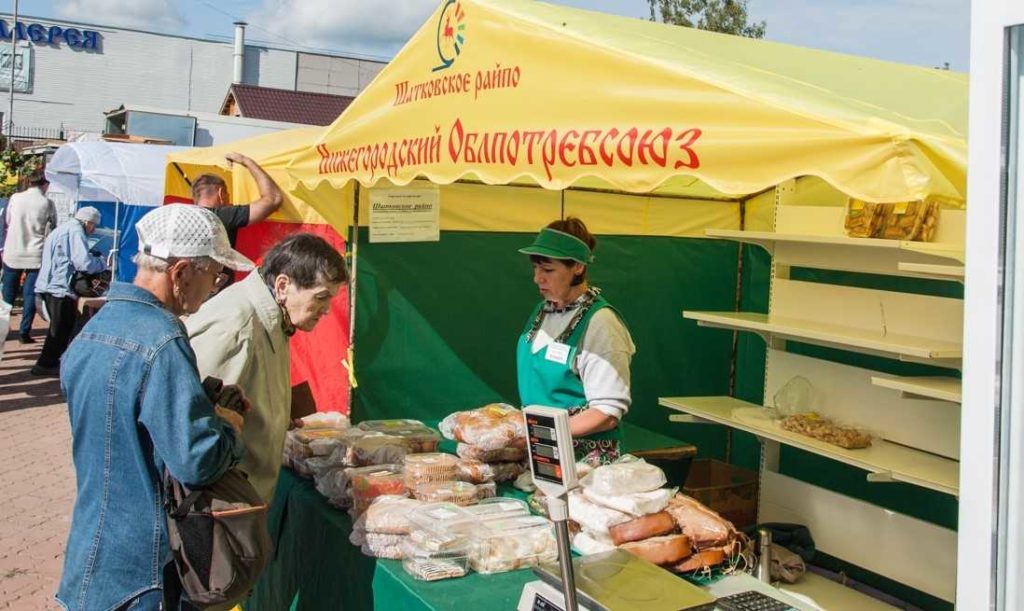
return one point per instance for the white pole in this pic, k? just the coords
(114, 254)
(13, 56)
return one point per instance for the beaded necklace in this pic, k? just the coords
(582, 306)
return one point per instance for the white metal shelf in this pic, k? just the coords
(944, 389)
(883, 460)
(768, 240)
(933, 271)
(831, 596)
(905, 347)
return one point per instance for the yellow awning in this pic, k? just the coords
(507, 91)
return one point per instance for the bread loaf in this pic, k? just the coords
(669, 549)
(644, 527)
(704, 527)
(703, 559)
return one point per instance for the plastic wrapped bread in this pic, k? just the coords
(644, 527)
(586, 543)
(626, 476)
(507, 545)
(389, 515)
(823, 429)
(668, 549)
(593, 517)
(477, 472)
(635, 504)
(429, 467)
(704, 527)
(490, 427)
(383, 546)
(459, 493)
(334, 485)
(509, 454)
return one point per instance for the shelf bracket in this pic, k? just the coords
(688, 419)
(885, 477)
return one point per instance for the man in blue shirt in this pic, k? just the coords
(137, 406)
(65, 252)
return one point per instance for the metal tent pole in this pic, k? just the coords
(353, 249)
(14, 56)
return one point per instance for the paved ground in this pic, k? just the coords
(37, 481)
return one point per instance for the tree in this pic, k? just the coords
(726, 16)
(14, 166)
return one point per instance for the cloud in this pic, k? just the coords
(131, 13)
(923, 32)
(375, 28)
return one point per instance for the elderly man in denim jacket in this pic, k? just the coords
(137, 406)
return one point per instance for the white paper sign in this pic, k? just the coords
(405, 214)
(22, 68)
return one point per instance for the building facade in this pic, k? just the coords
(68, 74)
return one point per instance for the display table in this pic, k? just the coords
(316, 567)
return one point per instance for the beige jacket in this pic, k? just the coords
(30, 218)
(237, 337)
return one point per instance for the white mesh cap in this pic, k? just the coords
(185, 230)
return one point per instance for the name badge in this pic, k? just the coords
(558, 353)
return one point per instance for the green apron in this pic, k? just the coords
(553, 383)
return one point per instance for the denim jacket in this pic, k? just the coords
(136, 405)
(66, 251)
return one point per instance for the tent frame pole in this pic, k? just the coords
(353, 288)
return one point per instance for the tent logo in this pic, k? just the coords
(451, 33)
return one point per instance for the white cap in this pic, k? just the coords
(185, 230)
(88, 214)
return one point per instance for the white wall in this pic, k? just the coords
(335, 75)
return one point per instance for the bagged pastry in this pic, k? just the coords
(509, 454)
(594, 517)
(635, 504)
(823, 429)
(476, 472)
(390, 515)
(490, 427)
(429, 467)
(625, 476)
(703, 526)
(458, 493)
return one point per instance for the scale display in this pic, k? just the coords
(544, 455)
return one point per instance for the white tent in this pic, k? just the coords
(122, 180)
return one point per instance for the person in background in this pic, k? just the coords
(575, 352)
(3, 227)
(137, 405)
(30, 217)
(210, 192)
(65, 252)
(241, 336)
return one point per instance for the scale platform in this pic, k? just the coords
(619, 581)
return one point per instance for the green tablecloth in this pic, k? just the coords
(316, 567)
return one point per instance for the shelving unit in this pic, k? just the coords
(914, 421)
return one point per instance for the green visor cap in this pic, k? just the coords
(555, 244)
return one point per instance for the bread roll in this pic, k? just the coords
(703, 559)
(670, 549)
(644, 527)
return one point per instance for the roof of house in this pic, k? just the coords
(305, 107)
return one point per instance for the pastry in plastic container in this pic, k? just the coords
(429, 467)
(368, 483)
(383, 546)
(508, 454)
(417, 437)
(459, 493)
(433, 565)
(389, 514)
(507, 545)
(486, 490)
(490, 427)
(478, 472)
(440, 526)
(498, 508)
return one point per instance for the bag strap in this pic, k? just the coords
(171, 486)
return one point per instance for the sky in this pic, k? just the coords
(923, 32)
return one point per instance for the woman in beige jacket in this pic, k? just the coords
(241, 336)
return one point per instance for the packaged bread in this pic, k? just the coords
(498, 508)
(592, 516)
(664, 550)
(458, 493)
(625, 476)
(389, 514)
(703, 526)
(433, 565)
(383, 546)
(635, 504)
(368, 483)
(486, 490)
(823, 429)
(586, 543)
(490, 427)
(333, 484)
(644, 527)
(910, 221)
(701, 560)
(477, 472)
(441, 526)
(864, 219)
(509, 454)
(414, 436)
(378, 449)
(507, 545)
(429, 467)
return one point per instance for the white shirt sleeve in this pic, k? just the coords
(602, 362)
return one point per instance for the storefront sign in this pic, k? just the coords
(22, 68)
(405, 214)
(55, 35)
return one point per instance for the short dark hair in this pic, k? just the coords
(306, 259)
(206, 183)
(575, 227)
(36, 178)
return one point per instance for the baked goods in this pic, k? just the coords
(626, 476)
(390, 514)
(477, 472)
(586, 543)
(432, 569)
(509, 454)
(823, 429)
(486, 490)
(635, 504)
(916, 220)
(459, 493)
(701, 560)
(430, 467)
(644, 527)
(368, 483)
(704, 527)
(594, 517)
(490, 427)
(334, 485)
(668, 549)
(507, 545)
(498, 509)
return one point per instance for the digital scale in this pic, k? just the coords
(612, 581)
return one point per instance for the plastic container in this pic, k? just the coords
(729, 490)
(430, 467)
(500, 508)
(459, 493)
(434, 565)
(417, 437)
(440, 526)
(369, 483)
(507, 545)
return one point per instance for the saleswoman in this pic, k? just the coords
(575, 351)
